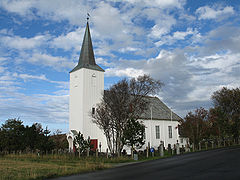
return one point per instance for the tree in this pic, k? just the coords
(59, 139)
(80, 143)
(227, 104)
(220, 126)
(123, 101)
(45, 144)
(12, 135)
(195, 126)
(133, 135)
(32, 135)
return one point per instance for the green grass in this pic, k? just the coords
(29, 166)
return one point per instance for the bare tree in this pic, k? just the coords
(123, 101)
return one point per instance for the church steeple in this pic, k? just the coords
(86, 59)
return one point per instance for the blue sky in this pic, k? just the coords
(192, 46)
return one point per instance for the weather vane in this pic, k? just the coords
(88, 16)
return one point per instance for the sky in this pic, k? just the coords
(192, 46)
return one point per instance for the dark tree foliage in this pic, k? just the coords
(226, 111)
(32, 136)
(14, 136)
(45, 144)
(133, 134)
(120, 103)
(195, 126)
(81, 144)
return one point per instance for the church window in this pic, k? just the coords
(75, 81)
(94, 80)
(93, 110)
(170, 131)
(181, 140)
(157, 132)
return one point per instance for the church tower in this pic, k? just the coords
(86, 90)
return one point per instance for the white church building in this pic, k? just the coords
(86, 89)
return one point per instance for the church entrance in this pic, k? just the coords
(94, 144)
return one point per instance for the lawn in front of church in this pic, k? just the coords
(32, 166)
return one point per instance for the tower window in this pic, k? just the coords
(94, 80)
(93, 110)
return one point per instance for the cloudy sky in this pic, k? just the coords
(192, 46)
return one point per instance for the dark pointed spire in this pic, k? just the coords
(86, 59)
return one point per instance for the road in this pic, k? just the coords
(212, 164)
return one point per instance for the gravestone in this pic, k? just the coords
(135, 156)
(177, 148)
(96, 152)
(161, 150)
(147, 151)
(107, 152)
(87, 152)
(169, 149)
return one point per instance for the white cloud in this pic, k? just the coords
(159, 3)
(207, 12)
(57, 10)
(21, 7)
(56, 62)
(2, 69)
(40, 107)
(23, 43)
(71, 40)
(26, 77)
(158, 31)
(128, 49)
(165, 3)
(163, 26)
(114, 28)
(128, 72)
(181, 35)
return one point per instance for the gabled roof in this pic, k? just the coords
(157, 110)
(86, 59)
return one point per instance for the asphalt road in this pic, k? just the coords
(212, 164)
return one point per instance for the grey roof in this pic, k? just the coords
(86, 59)
(157, 110)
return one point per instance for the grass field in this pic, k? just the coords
(29, 166)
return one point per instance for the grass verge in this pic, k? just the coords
(29, 166)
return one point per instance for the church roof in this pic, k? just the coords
(86, 59)
(157, 110)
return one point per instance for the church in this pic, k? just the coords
(86, 89)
